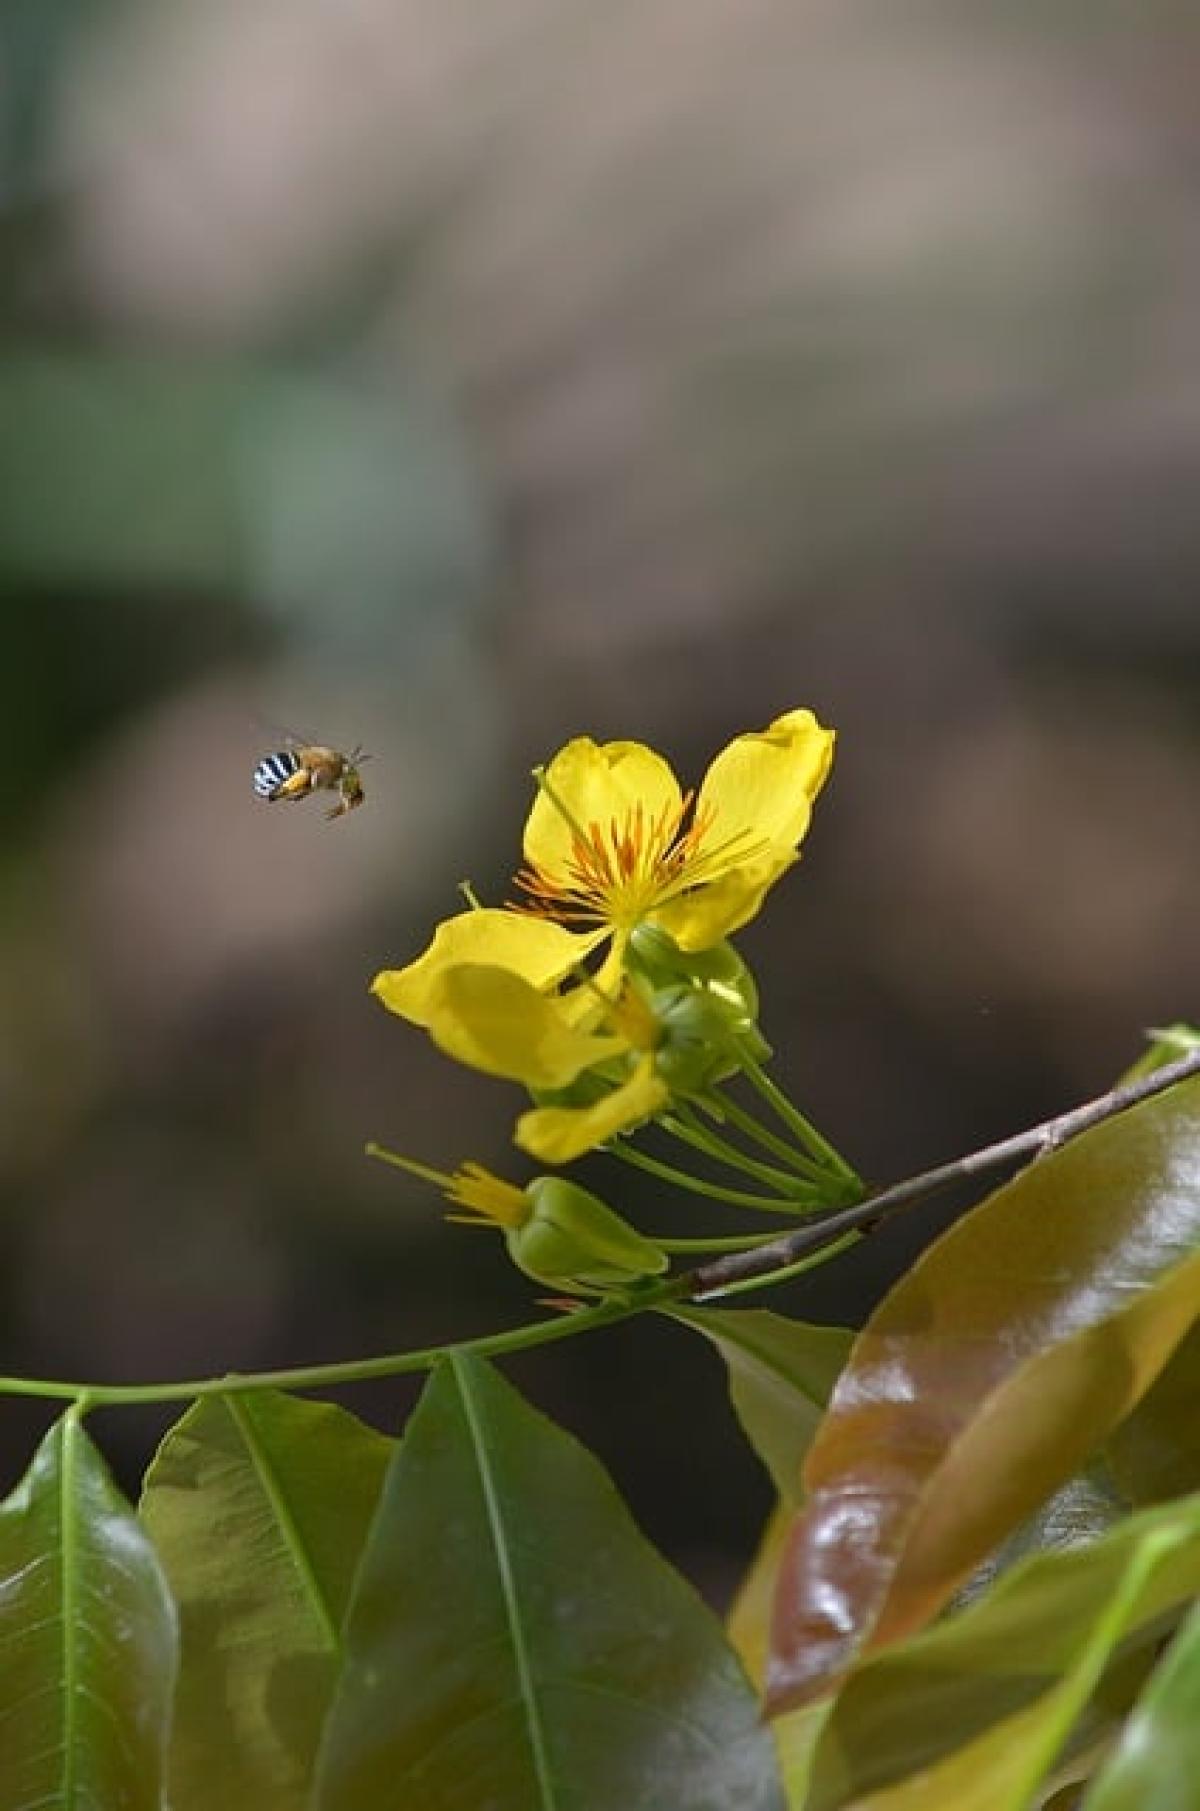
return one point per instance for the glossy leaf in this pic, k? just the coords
(795, 1733)
(1155, 1453)
(87, 1639)
(514, 1642)
(927, 1713)
(985, 1379)
(1156, 1764)
(749, 1620)
(259, 1505)
(781, 1376)
(1083, 1509)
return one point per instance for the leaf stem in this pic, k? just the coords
(715, 1191)
(355, 1370)
(810, 1261)
(721, 1106)
(777, 1258)
(741, 1242)
(683, 1126)
(791, 1116)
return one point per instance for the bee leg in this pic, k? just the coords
(294, 787)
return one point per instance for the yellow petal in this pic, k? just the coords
(702, 918)
(595, 783)
(757, 795)
(492, 1020)
(560, 1134)
(537, 949)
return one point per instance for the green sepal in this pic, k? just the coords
(572, 1237)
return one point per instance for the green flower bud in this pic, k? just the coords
(698, 1030)
(719, 970)
(723, 974)
(656, 956)
(572, 1239)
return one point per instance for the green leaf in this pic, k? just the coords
(1084, 1508)
(259, 1505)
(87, 1639)
(1156, 1764)
(971, 1715)
(1155, 1453)
(514, 1642)
(1167, 1044)
(985, 1379)
(781, 1376)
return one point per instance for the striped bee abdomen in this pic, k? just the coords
(273, 770)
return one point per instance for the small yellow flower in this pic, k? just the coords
(613, 842)
(491, 1200)
(556, 1232)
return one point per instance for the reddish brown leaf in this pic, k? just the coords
(984, 1380)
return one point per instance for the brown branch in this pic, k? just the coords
(865, 1216)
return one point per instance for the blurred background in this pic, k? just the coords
(453, 379)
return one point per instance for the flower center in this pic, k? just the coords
(616, 873)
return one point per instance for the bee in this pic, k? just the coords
(299, 768)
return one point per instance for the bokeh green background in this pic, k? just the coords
(455, 379)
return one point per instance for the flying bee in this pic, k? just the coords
(303, 767)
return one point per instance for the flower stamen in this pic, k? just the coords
(617, 874)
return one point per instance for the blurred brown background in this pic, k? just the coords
(457, 378)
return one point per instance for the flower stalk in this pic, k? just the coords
(761, 1267)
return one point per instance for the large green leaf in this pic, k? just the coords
(781, 1376)
(1156, 1764)
(259, 1504)
(514, 1642)
(87, 1639)
(971, 1715)
(984, 1380)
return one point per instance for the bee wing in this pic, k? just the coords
(287, 735)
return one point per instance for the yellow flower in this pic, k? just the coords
(560, 1134)
(496, 1021)
(612, 842)
(538, 952)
